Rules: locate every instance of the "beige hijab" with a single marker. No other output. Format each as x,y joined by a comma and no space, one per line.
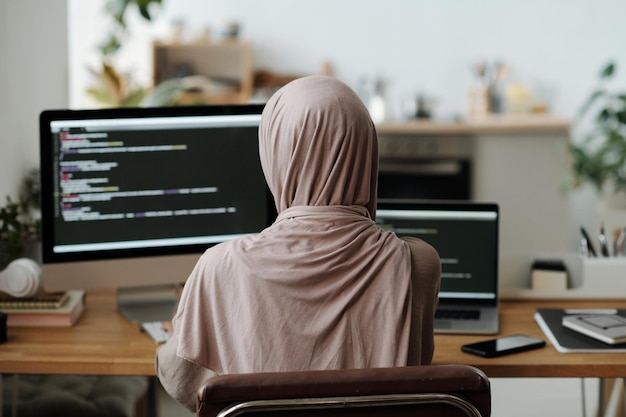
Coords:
323,287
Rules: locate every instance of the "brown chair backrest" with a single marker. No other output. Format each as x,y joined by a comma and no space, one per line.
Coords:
432,390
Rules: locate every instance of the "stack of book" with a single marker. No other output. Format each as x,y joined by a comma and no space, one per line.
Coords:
52,310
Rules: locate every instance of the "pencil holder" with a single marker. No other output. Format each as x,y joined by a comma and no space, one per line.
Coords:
586,278
602,277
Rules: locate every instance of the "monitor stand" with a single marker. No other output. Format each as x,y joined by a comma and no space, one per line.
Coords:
148,303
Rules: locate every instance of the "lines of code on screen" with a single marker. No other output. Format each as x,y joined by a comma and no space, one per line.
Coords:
150,184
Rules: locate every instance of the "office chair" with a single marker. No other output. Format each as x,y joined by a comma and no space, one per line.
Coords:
433,390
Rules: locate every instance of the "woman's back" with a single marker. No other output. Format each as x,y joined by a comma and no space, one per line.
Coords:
323,287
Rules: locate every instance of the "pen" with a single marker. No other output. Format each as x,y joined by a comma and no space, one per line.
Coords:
619,242
604,247
584,248
590,249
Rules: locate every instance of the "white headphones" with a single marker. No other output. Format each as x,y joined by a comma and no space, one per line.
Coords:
22,278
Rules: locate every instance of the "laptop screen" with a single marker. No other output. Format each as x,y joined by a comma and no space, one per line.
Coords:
465,234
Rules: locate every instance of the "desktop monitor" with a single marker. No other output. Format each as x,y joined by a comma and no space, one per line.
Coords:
131,197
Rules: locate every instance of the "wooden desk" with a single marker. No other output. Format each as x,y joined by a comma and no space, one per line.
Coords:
104,343
517,317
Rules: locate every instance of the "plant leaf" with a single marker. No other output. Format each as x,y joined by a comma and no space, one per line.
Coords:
608,70
111,45
133,98
102,96
603,116
592,99
117,9
144,7
165,93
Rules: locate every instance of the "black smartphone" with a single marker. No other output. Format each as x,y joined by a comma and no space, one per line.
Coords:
503,345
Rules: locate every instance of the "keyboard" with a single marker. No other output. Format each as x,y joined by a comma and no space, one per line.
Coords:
156,331
457,314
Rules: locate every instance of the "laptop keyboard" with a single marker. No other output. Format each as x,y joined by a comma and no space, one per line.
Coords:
457,314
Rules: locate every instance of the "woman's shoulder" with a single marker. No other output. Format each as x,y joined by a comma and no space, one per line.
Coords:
418,245
422,252
217,253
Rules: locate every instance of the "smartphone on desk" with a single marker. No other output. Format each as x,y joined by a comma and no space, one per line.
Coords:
503,346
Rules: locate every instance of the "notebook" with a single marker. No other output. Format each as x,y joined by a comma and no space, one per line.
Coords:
465,234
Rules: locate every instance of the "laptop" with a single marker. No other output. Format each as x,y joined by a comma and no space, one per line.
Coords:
465,234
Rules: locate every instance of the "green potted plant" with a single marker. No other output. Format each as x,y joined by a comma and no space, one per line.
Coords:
20,225
114,88
599,158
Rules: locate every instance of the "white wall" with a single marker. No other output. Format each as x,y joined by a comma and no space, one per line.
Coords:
33,77
418,45
556,46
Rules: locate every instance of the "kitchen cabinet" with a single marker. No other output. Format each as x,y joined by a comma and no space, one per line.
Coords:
216,72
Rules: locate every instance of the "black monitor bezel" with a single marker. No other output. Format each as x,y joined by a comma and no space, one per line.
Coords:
47,169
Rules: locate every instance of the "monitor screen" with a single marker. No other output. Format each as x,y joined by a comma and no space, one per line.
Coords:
133,196
464,233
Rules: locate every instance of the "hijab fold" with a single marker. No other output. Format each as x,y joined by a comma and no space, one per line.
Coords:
323,287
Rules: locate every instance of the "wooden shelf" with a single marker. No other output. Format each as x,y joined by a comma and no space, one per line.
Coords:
227,65
489,124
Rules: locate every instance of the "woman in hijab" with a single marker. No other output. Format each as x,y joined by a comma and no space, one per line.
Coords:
323,287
